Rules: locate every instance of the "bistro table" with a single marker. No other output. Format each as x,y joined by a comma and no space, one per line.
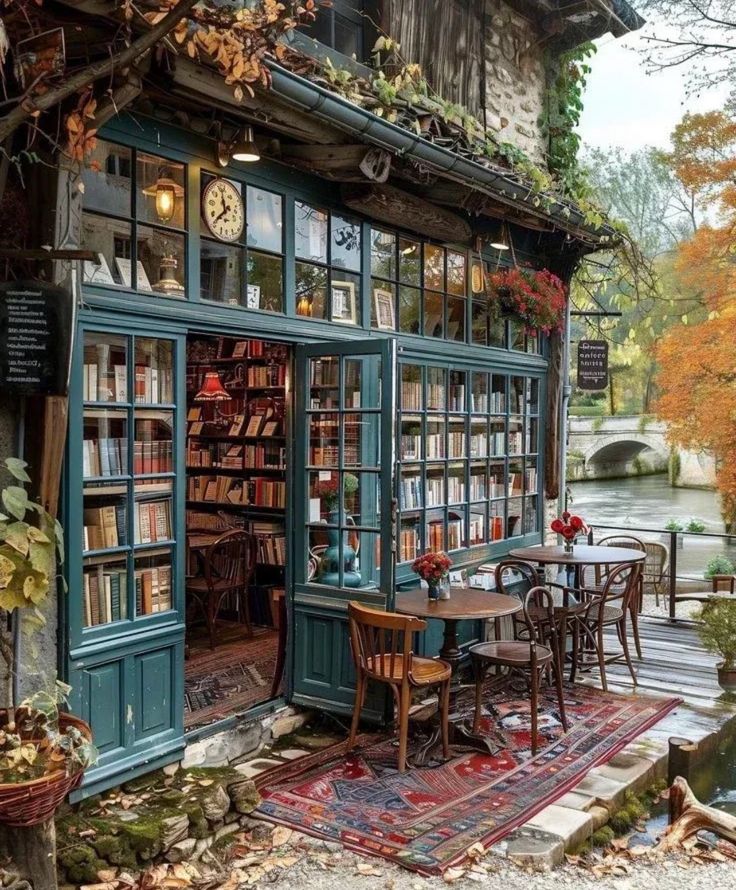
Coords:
463,604
582,555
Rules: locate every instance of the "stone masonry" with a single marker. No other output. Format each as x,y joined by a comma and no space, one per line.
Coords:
516,79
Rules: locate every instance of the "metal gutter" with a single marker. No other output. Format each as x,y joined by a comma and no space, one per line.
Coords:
337,111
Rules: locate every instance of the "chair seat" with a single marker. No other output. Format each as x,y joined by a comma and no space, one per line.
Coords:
424,671
510,652
199,585
608,615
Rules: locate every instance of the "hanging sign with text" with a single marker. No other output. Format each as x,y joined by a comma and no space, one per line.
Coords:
592,365
35,338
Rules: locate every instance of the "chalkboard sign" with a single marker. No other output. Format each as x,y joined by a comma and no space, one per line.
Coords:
35,337
592,365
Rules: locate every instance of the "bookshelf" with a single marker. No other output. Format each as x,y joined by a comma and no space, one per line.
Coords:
128,483
236,455
468,458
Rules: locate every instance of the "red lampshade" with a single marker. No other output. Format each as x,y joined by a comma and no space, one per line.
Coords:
212,389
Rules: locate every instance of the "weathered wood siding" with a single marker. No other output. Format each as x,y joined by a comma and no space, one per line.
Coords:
446,38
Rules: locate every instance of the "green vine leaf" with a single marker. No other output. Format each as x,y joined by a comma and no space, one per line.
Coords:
17,468
15,501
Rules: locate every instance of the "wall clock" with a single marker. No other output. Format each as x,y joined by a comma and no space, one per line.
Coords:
223,210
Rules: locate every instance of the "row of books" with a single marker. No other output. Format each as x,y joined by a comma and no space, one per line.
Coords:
410,492
455,534
325,372
477,490
152,385
255,426
105,527
435,445
271,549
476,530
479,445
258,492
328,455
409,446
455,489
109,457
456,397
267,375
153,591
435,396
235,457
411,395
104,595
408,545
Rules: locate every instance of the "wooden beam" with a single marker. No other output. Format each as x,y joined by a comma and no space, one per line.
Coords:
393,206
343,163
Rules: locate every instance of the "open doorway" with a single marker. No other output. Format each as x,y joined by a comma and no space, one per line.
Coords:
236,460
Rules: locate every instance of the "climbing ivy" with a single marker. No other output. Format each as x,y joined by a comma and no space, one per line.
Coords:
564,108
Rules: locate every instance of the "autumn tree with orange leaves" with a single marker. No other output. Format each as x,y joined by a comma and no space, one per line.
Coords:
697,376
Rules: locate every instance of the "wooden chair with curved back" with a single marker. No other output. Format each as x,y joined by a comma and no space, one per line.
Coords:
535,653
228,564
381,644
608,607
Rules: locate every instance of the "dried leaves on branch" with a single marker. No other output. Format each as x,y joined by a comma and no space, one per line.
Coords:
236,41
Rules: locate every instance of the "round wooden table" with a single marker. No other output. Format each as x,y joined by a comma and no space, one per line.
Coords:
463,604
582,555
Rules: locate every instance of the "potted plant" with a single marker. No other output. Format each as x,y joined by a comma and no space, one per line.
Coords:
43,755
718,635
719,565
538,298
674,525
43,751
695,526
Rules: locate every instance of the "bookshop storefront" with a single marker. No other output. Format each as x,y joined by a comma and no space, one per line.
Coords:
276,405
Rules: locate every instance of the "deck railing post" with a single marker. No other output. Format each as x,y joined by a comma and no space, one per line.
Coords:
673,576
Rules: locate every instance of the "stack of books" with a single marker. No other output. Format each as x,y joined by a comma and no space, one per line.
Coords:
153,590
105,595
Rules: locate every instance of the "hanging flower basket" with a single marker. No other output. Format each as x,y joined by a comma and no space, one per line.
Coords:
537,298
26,802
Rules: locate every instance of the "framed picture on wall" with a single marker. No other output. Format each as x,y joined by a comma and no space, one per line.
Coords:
383,305
342,302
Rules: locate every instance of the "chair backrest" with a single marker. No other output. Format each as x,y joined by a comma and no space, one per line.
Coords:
724,581
620,585
657,558
543,623
506,580
601,572
231,558
381,641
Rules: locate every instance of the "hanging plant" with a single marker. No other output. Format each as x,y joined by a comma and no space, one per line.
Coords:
537,298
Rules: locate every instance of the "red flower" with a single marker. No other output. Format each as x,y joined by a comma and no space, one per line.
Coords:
568,532
566,515
577,523
557,526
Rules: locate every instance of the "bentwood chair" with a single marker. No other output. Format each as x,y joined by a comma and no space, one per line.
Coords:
656,575
607,607
528,655
381,643
228,564
601,573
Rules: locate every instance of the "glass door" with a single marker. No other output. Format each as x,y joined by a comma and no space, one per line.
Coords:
344,547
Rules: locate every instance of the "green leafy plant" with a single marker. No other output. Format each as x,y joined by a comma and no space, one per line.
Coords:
329,489
28,549
674,525
718,629
32,744
719,565
695,526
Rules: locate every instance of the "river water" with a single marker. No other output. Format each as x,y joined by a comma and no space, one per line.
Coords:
649,502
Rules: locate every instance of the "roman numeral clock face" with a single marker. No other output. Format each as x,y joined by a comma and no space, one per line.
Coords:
222,209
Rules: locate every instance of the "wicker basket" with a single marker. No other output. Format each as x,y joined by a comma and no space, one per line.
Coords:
29,803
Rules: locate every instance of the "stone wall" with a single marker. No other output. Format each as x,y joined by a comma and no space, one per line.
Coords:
516,79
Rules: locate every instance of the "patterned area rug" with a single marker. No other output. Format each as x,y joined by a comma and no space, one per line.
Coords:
427,818
233,677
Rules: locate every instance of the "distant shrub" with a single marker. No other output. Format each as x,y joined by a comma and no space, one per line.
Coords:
674,525
696,526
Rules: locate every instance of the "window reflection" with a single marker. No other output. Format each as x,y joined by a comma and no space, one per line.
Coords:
265,219
311,232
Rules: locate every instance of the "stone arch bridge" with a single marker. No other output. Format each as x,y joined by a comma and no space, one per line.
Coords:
610,447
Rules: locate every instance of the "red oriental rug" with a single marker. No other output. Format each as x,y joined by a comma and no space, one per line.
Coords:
427,818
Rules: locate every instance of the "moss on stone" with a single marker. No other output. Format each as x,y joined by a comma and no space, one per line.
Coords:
602,837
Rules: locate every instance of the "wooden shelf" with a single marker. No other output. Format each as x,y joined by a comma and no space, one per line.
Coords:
215,471
255,508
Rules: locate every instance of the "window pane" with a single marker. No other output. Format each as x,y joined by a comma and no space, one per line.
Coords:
111,240
105,443
161,263
411,388
410,544
345,246
480,323
311,232
108,188
154,361
265,282
383,254
456,319
434,267
410,261
434,305
345,298
105,517
383,309
496,527
497,333
265,219
311,291
105,368
456,273
153,588
161,195
153,445
410,308
517,338
455,530
221,272
436,389
348,38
